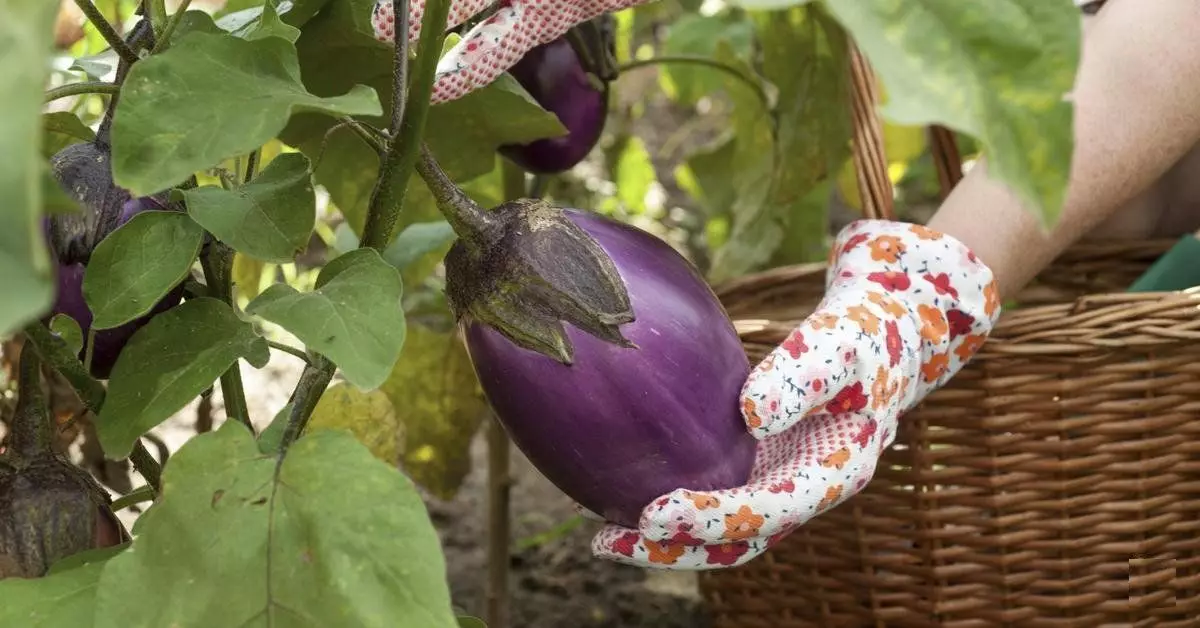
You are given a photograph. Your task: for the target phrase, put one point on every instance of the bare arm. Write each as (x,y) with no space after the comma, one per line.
(1137,111)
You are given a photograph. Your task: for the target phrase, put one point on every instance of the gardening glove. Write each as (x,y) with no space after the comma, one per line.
(497,43)
(905,308)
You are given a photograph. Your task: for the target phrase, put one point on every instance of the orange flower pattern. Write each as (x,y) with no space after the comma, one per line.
(905,308)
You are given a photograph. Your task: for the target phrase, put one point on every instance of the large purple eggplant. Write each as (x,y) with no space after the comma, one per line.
(84,172)
(557,78)
(616,402)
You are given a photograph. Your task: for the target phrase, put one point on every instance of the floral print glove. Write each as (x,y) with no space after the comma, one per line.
(905,308)
(495,44)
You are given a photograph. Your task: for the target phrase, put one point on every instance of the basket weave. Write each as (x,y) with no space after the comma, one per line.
(1055,481)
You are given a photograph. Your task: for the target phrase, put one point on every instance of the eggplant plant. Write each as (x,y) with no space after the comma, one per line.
(193,194)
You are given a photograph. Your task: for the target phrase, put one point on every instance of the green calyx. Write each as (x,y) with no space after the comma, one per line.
(536,271)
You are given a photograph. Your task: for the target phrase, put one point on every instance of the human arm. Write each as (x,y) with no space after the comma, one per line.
(1137,111)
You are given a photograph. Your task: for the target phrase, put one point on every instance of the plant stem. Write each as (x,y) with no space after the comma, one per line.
(31,433)
(86,87)
(106,31)
(400,65)
(313,382)
(279,346)
(499,479)
(217,263)
(472,223)
(54,351)
(165,37)
(252,165)
(701,61)
(157,15)
(136,496)
(387,199)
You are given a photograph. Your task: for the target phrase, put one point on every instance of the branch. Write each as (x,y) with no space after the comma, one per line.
(217,263)
(54,351)
(387,198)
(169,29)
(700,61)
(86,87)
(313,382)
(107,31)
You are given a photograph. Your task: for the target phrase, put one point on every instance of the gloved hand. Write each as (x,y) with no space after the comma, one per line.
(905,308)
(497,43)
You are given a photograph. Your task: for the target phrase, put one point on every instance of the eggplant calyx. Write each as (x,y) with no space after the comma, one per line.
(541,271)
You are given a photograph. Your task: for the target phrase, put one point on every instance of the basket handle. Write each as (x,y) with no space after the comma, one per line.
(870,157)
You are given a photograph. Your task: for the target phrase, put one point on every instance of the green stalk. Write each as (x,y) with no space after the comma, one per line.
(703,62)
(387,199)
(106,31)
(164,38)
(86,87)
(217,263)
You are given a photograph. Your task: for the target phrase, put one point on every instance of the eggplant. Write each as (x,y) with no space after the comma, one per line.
(84,172)
(49,508)
(557,78)
(603,352)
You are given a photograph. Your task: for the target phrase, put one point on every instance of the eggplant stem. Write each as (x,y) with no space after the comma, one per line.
(387,198)
(312,384)
(54,351)
(217,263)
(252,164)
(76,89)
(165,37)
(290,350)
(700,61)
(31,432)
(471,222)
(106,31)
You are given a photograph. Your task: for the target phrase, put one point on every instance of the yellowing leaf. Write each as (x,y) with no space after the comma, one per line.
(366,414)
(436,396)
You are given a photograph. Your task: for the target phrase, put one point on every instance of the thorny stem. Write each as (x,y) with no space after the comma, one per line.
(217,263)
(107,31)
(472,223)
(387,199)
(701,61)
(165,37)
(31,432)
(86,87)
(54,351)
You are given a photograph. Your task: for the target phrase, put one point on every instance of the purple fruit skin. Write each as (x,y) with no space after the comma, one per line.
(553,74)
(69,300)
(622,427)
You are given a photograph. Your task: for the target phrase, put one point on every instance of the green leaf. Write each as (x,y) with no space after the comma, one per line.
(353,316)
(68,329)
(329,537)
(26,43)
(175,357)
(466,621)
(437,397)
(1012,64)
(61,129)
(257,23)
(136,265)
(698,35)
(66,598)
(803,55)
(337,49)
(270,438)
(208,98)
(297,14)
(270,219)
(633,174)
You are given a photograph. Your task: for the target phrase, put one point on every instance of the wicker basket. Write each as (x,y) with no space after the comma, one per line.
(1055,481)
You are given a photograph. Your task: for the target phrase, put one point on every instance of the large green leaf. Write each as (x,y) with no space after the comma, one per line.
(803,55)
(139,263)
(998,70)
(175,357)
(271,218)
(329,537)
(67,598)
(698,35)
(61,129)
(353,316)
(26,42)
(437,397)
(211,97)
(337,49)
